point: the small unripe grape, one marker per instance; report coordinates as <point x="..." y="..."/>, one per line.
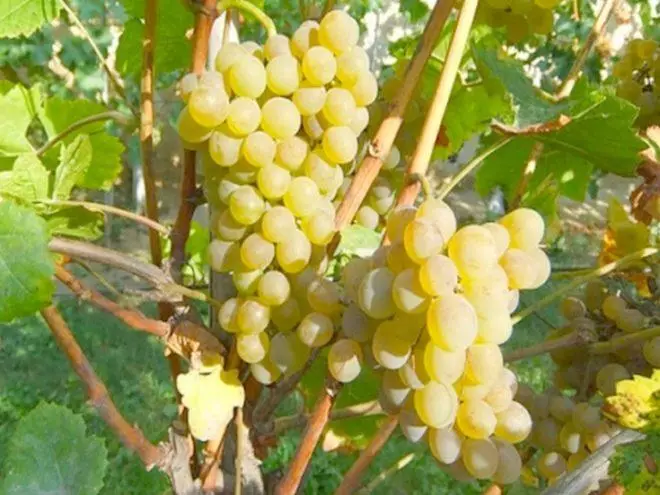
<point x="345" y="360"/>
<point x="630" y="320"/>
<point x="244" y="116"/>
<point x="570" y="439"/>
<point x="319" y="65"/>
<point x="315" y="330"/>
<point x="585" y="417"/>
<point x="561" y="408"/>
<point x="594" y="294"/>
<point x="246" y="205"/>
<point x="280" y="118"/>
<point x="252" y="316"/>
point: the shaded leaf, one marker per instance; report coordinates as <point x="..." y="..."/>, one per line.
<point x="75" y="221"/>
<point x="18" y="106"/>
<point x="415" y="9"/>
<point x="358" y="240"/>
<point x="27" y="180"/>
<point x="26" y="266"/>
<point x="75" y="159"/>
<point x="50" y="452"/>
<point x="23" y="17"/>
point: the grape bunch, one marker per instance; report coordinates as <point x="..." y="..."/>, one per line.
<point x="431" y="310"/>
<point x="565" y="432"/>
<point x="519" y="18"/>
<point x="602" y="316"/>
<point x="278" y="126"/>
<point x="638" y="74"/>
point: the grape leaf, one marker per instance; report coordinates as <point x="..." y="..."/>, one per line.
<point x="74" y="162"/>
<point x="172" y="49"/>
<point x="75" y="221"/>
<point x="27" y="180"/>
<point x="58" y="114"/>
<point x="415" y="9"/>
<point x="50" y="452"/>
<point x="23" y="17"/>
<point x="358" y="240"/>
<point x="26" y="266"/>
<point x="18" y="106"/>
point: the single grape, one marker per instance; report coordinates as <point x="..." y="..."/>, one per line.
<point x="252" y="316"/>
<point x="445" y="444"/>
<point x="315" y="330"/>
<point x="572" y="307"/>
<point x="243" y="173"/>
<point x="291" y="153"/>
<point x="265" y="371"/>
<point x="228" y="55"/>
<point x="570" y="438"/>
<point x="525" y="227"/>
<point x="422" y="240"/>
<point x="259" y="149"/>
<point x="392" y="160"/>
<point x="352" y="274"/>
<point x="509" y="464"/>
<point x="364" y="88"/>
<point x="499" y="397"/>
<point x="575" y="460"/>
<point x="414" y="373"/>
<point x="473" y="251"/>
<point x="273" y="181"/>
<point x="630" y="320"/>
<point x="224" y="256"/>
<point x="393" y="392"/>
<point x="327" y="176"/>
<point x="520" y="268"/>
<point x="594" y="294"/>
<point x="598" y="437"/>
<point x="514" y="424"/>
<point x="339" y="144"/>
<point x="439" y="213"/>
<point x="351" y="63"/>
<point x="436" y="404"/>
<point x="397" y="221"/>
<point x="309" y="100"/>
<point x="323" y="296"/>
<point x="375" y="294"/>
<point x="276" y="45"/>
<point x="356" y="325"/>
<point x="501" y="236"/>
<point x="286" y="316"/>
<point x="651" y="352"/>
<point x="319" y="227"/>
<point x="345" y="360"/>
<point x="313" y="128"/>
<point x="254" y="48"/>
<point x="480" y="457"/>
<point x="247" y="77"/>
<point x="244" y="116"/>
<point x="319" y="65"/>
<point x="561" y="408"/>
<point x="246" y="205"/>
<point x="303" y="197"/>
<point x="187" y="85"/>
<point x="338" y="31"/>
<point x="551" y="465"/>
<point x="367" y="217"/>
<point x="208" y="106"/>
<point x="273" y="288"/>
<point x="252" y="348"/>
<point x="277" y="224"/>
<point x="283" y="75"/>
<point x="390" y="350"/>
<point x="226" y="228"/>
<point x="452" y="322"/>
<point x="613" y="306"/>
<point x="224" y="149"/>
<point x="294" y="252"/>
<point x="608" y="376"/>
<point x="227" y="315"/>
<point x="257" y="252"/>
<point x="246" y="280"/>
<point x="443" y="366"/>
<point x="408" y="294"/>
<point x="495" y="328"/>
<point x="287" y="352"/>
<point x="189" y="130"/>
<point x="280" y="118"/>
<point x="585" y="417"/>
<point x="412" y="427"/>
<point x="476" y="419"/>
<point x="305" y="37"/>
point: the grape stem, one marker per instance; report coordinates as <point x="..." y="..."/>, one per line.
<point x="598" y="272"/>
<point x="625" y="341"/>
<point x="364" y="409"/>
<point x="394" y="468"/>
<point x="569" y="340"/>
<point x="252" y="9"/>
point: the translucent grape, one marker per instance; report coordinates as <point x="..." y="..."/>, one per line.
<point x="315" y="330"/>
<point x="291" y="153"/>
<point x="245" y="280"/>
<point x="252" y="348"/>
<point x="322" y="172"/>
<point x="293" y="253"/>
<point x="375" y="294"/>
<point x="484" y="363"/>
<point x="226" y="228"/>
<point x="280" y="118"/>
<point x="252" y="316"/>
<point x="436" y="404"/>
<point x="561" y="408"/>
<point x="392" y="161"/>
<point x="414" y="373"/>
<point x="309" y="100"/>
<point x="500" y="235"/>
<point x="364" y="88"/>
<point x="352" y="274"/>
<point x="345" y="360"/>
<point x="189" y="130"/>
<point x="408" y="294"/>
<point x="304" y="38"/>
<point x="277" y="224"/>
<point x="319" y="65"/>
<point x="187" y="85"/>
<point x="208" y="106"/>
<point x="319" y="227"/>
<point x="244" y="116"/>
<point x="480" y="457"/>
<point x="254" y="48"/>
<point x="265" y="372"/>
<point x="339" y="144"/>
<point x="303" y="197"/>
<point x="247" y="77"/>
<point x="276" y="45"/>
<point x="246" y="205"/>
<point x="551" y="465"/>
<point x="398" y="259"/>
<point x="608" y="376"/>
<point x="473" y="251"/>
<point x="360" y="120"/>
<point x="227" y="315"/>
<point x="273" y="181"/>
<point x="499" y="397"/>
<point x="283" y="75"/>
<point x="323" y="296"/>
<point x="509" y="464"/>
<point x="397" y="221"/>
<point x="257" y="252"/>
<point x="476" y="419"/>
<point x="445" y="444"/>
<point x="412" y="427"/>
<point x="422" y="239"/>
<point x="351" y="63"/>
<point x="598" y="437"/>
<point x="259" y="149"/>
<point x="355" y="324"/>
<point x="228" y="55"/>
<point x="520" y="268"/>
<point x="287" y="352"/>
<point x="525" y="228"/>
<point x="286" y="316"/>
<point x="393" y="392"/>
<point x="224" y="149"/>
<point x="243" y="173"/>
<point x="338" y="31"/>
<point x="651" y="352"/>
<point x="367" y="217"/>
<point x="224" y="256"/>
<point x="339" y="107"/>
<point x="389" y="349"/>
<point x="440" y="214"/>
<point x="572" y="307"/>
<point x="452" y="322"/>
<point x="513" y="424"/>
<point x="630" y="320"/>
<point x="495" y="328"/>
<point x="313" y="128"/>
<point x="274" y="288"/>
<point x="443" y="366"/>
<point x="613" y="306"/>
<point x="570" y="438"/>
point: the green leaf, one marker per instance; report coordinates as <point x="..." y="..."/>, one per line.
<point x="27" y="181"/>
<point x="75" y="221"/>
<point x="358" y="240"/>
<point x="50" y="452"/>
<point x="23" y="17"/>
<point x="58" y="114"/>
<point x="26" y="266"/>
<point x="416" y="9"/>
<point x="18" y="106"/>
<point x="172" y="49"/>
<point x="75" y="159"/>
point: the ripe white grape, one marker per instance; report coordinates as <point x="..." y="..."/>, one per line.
<point x="247" y="77"/>
<point x="501" y="236"/>
<point x="327" y="176"/>
<point x="309" y="100"/>
<point x="551" y="465"/>
<point x="476" y="419"/>
<point x="393" y="392"/>
<point x="389" y="349"/>
<point x="345" y="360"/>
<point x="480" y="457"/>
<point x="364" y="89"/>
<point x="323" y="296"/>
<point x="273" y="181"/>
<point x="291" y="153"/>
<point x="208" y="106"/>
<point x="436" y="404"/>
<point x="339" y="106"/>
<point x="259" y="149"/>
<point x="303" y="197"/>
<point x="414" y="372"/>
<point x="273" y="288"/>
<point x="319" y="227"/>
<point x="252" y="348"/>
<point x="339" y="144"/>
<point x="276" y="45"/>
<point x="244" y="116"/>
<point x="452" y="322"/>
<point x="287" y="352"/>
<point x="228" y="55"/>
<point x="254" y="48"/>
<point x="227" y="315"/>
<point x="356" y="325"/>
<point x="313" y="128"/>
<point x="294" y="252"/>
<point x="265" y="371"/>
<point x="277" y="224"/>
<point x="520" y="268"/>
<point x="514" y="424"/>
<point x="243" y="173"/>
<point x="412" y="427"/>
<point x="338" y="31"/>
<point x="484" y="363"/>
<point x="439" y="213"/>
<point x="367" y="217"/>
<point x="489" y="293"/>
<point x="351" y="63"/>
<point x="525" y="228"/>
<point x="509" y="463"/>
<point x="375" y="294"/>
<point x="286" y="316"/>
<point x="187" y="85"/>
<point x="408" y="294"/>
<point x="352" y="274"/>
<point x="304" y="38"/>
<point x="499" y="397"/>
<point x="256" y="252"/>
<point x="473" y="251"/>
<point x="495" y="328"/>
<point x="319" y="65"/>
<point x="612" y="306"/>
<point x="543" y="266"/>
<point x="224" y="149"/>
<point x="443" y="366"/>
<point x="397" y="221"/>
<point x="360" y="120"/>
<point x="224" y="256"/>
<point x="246" y="205"/>
<point x="245" y="280"/>
<point x="422" y="239"/>
<point x="252" y="316"/>
<point x="280" y="118"/>
<point x="315" y="330"/>
<point x="445" y="444"/>
<point x="226" y="228"/>
<point x="189" y="130"/>
<point x="283" y="75"/>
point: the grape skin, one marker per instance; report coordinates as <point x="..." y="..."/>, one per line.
<point x="436" y="404"/>
<point x="513" y="424"/>
<point x="345" y="360"/>
<point x="480" y="457"/>
<point x="452" y="322"/>
<point x="375" y="294"/>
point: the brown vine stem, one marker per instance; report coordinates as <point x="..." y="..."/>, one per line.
<point x="370" y="408"/>
<point x="148" y="222"/>
<point x="131" y="437"/>
<point x="569" y="340"/>
<point x="382" y="141"/>
<point x="112" y="75"/>
<point x="578" y="281"/>
<point x="131" y="317"/>
<point x="118" y="117"/>
<point x="626" y="340"/>
<point x="530" y="168"/>
<point x="147" y="124"/>
<point x="352" y="478"/>
<point x="421" y="157"/>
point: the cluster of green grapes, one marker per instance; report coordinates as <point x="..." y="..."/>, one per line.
<point x="520" y="18"/>
<point x="603" y="317"/>
<point x="638" y="72"/>
<point x="565" y="432"/>
<point x="279" y="126"/>
<point x="431" y="310"/>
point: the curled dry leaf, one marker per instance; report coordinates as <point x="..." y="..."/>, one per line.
<point x="189" y="338"/>
<point x="645" y="198"/>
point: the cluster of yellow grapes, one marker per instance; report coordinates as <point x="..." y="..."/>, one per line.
<point x="604" y="317"/>
<point x="638" y="72"/>
<point x="520" y="18"/>
<point x="430" y="310"/>
<point x="565" y="432"/>
<point x="279" y="125"/>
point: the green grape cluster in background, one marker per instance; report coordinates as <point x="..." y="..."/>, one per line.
<point x="520" y="19"/>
